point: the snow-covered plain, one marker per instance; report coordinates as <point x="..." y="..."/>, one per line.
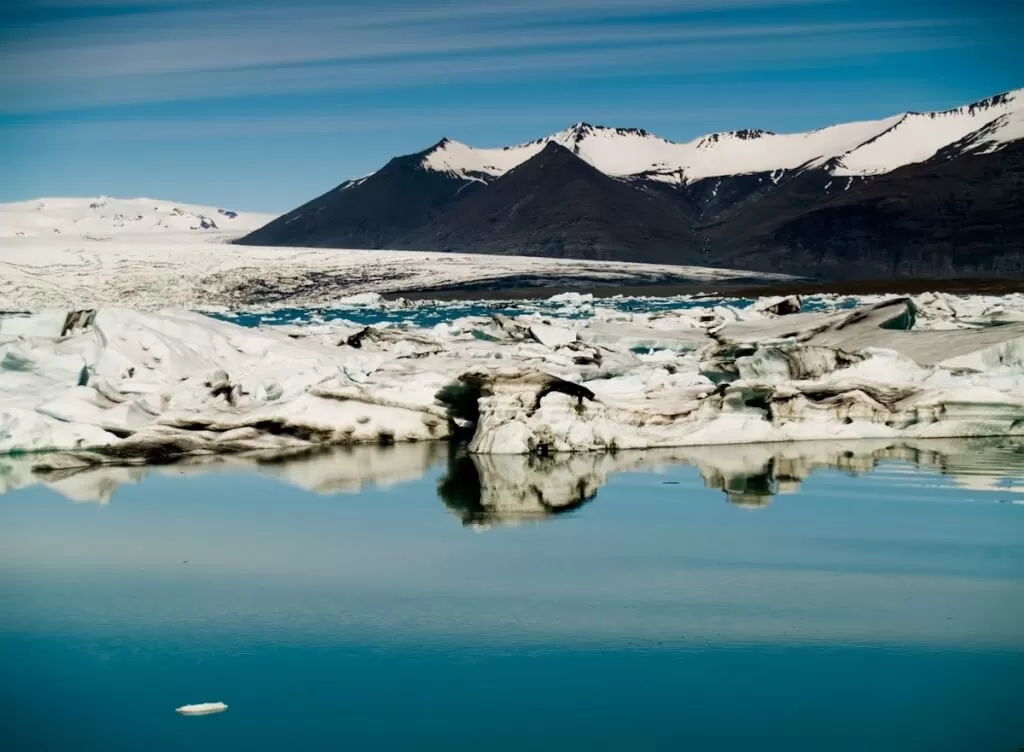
<point x="849" y="149"/>
<point x="86" y="253"/>
<point x="119" y="385"/>
<point x="104" y="218"/>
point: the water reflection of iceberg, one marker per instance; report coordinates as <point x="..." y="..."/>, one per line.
<point x="752" y="474"/>
<point x="488" y="489"/>
<point x="87" y="477"/>
<point x="483" y="490"/>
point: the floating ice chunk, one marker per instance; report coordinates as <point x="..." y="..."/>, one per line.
<point x="779" y="306"/>
<point x="202" y="708"/>
<point x="572" y="298"/>
<point x="361" y="299"/>
<point x="43" y="323"/>
<point x="552" y="336"/>
<point x="776" y="364"/>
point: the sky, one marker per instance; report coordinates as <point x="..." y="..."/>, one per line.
<point x="260" y="105"/>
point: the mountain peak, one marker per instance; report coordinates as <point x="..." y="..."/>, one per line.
<point x="1005" y="100"/>
<point x="576" y="132"/>
<point x="583" y="128"/>
<point x="747" y="134"/>
<point x="861" y="148"/>
<point x="553" y="154"/>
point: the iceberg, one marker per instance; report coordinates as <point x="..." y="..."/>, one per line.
<point x="202" y="708"/>
<point x="135" y="386"/>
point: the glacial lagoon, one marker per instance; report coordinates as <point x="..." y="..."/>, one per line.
<point x="848" y="596"/>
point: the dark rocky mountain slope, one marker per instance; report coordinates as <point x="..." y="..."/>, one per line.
<point x="555" y="204"/>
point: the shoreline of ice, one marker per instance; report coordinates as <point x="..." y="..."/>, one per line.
<point x="118" y="384"/>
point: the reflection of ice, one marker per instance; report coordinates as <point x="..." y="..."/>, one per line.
<point x="483" y="490"/>
<point x="346" y="469"/>
<point x="752" y="474"/>
<point x="509" y="489"/>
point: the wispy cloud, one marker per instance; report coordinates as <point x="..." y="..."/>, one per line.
<point x="198" y="51"/>
<point x="323" y="43"/>
<point x="384" y="121"/>
<point x="703" y="59"/>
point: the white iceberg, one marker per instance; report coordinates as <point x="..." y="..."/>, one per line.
<point x="202" y="708"/>
<point x="136" y="385"/>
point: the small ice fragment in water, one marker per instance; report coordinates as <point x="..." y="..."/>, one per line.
<point x="203" y="708"/>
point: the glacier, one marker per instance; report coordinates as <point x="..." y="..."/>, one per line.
<point x="578" y="375"/>
<point x="150" y="254"/>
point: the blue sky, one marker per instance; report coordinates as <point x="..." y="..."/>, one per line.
<point x="260" y="105"/>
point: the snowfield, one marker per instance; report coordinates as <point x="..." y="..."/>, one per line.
<point x="104" y="218"/>
<point x="86" y="253"/>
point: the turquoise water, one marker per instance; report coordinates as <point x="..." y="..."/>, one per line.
<point x="430" y="313"/>
<point x="405" y="602"/>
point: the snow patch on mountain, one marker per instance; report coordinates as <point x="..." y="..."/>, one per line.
<point x="918" y="136"/>
<point x="851" y="149"/>
<point x="469" y="163"/>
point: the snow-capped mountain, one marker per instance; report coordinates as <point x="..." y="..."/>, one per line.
<point x="934" y="193"/>
<point x="864" y="148"/>
<point x="105" y="218"/>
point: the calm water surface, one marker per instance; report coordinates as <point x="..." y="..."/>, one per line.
<point x="846" y="597"/>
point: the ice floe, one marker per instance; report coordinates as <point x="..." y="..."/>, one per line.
<point x="131" y="385"/>
<point x="202" y="708"/>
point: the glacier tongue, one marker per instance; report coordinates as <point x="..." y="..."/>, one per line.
<point x="121" y="386"/>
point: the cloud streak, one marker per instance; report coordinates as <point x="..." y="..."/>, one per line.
<point x="703" y="59"/>
<point x="150" y="51"/>
<point x="317" y="44"/>
<point x="379" y="121"/>
<point x="258" y="49"/>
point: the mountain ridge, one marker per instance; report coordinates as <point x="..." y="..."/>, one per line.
<point x="780" y="202"/>
<point x="460" y="159"/>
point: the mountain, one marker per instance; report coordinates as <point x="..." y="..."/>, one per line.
<point x="935" y="193"/>
<point x="529" y="209"/>
<point x="369" y="212"/>
<point x="106" y="218"/>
